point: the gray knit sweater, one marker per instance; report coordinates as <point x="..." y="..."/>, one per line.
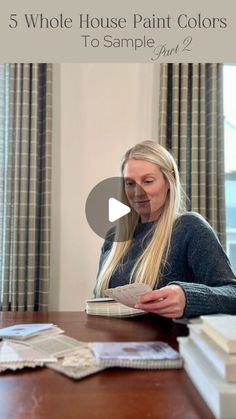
<point x="196" y="262"/>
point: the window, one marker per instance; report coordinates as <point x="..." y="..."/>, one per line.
<point x="230" y="159"/>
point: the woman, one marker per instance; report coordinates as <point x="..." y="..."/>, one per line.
<point x="176" y="252"/>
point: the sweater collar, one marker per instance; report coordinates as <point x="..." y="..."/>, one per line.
<point x="143" y="228"/>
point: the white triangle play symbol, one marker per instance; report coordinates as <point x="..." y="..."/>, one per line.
<point x="116" y="209"/>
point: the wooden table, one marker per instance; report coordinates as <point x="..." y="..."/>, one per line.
<point x="111" y="394"/>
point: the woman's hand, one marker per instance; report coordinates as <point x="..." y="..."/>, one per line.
<point x="168" y="301"/>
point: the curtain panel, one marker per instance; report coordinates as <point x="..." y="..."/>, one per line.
<point x="191" y="126"/>
<point x="25" y="185"/>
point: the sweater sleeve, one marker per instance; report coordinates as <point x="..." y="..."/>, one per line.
<point x="214" y="286"/>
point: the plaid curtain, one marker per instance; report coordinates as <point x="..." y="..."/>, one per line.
<point x="192" y="127"/>
<point x="25" y="185"/>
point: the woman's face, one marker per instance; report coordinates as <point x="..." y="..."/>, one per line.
<point x="146" y="188"/>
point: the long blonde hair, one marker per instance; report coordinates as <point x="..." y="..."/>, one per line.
<point x="148" y="267"/>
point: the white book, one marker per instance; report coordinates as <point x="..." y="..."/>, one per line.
<point x="224" y="363"/>
<point x="27" y="330"/>
<point x="222" y="329"/>
<point x="218" y="395"/>
<point x="152" y="354"/>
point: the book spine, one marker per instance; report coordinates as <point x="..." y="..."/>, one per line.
<point x="224" y="343"/>
<point x="143" y="364"/>
<point x="199" y="379"/>
<point x="219" y="396"/>
<point x="219" y="360"/>
<point x="210" y="354"/>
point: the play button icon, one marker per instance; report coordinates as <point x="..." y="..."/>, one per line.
<point x="116" y="210"/>
<point x="107" y="207"/>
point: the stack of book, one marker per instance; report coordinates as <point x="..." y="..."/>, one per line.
<point x="120" y="301"/>
<point x="111" y="308"/>
<point x="209" y="354"/>
<point x="16" y="351"/>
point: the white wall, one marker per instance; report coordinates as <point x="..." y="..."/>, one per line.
<point x="100" y="110"/>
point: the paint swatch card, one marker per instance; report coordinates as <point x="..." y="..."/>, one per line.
<point x="128" y="294"/>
